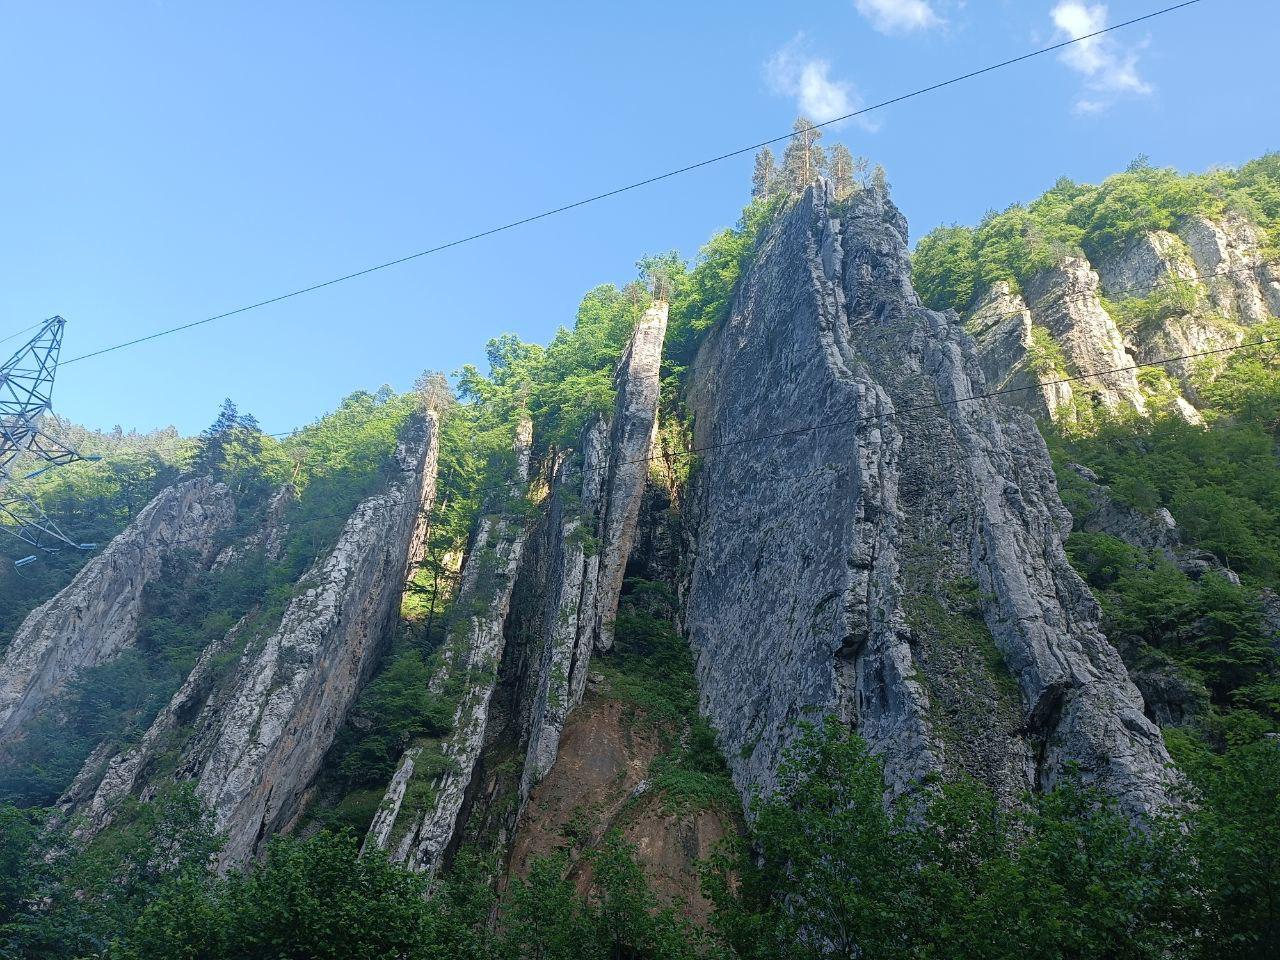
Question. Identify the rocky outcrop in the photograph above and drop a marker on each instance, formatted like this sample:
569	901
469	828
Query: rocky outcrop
1066	300
269	536
419	836
593	521
1146	263
1007	352
831	559
95	617
1227	255
572	599
631	435
253	741
535	600
1180	323
1169	298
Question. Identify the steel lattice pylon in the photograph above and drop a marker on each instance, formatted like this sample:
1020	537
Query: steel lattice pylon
26	395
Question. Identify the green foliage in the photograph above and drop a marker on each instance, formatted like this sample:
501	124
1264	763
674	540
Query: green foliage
953	266
703	296
1244	387
944	268
650	664
315	899
1235	840
562	385
1222	485
146	889
1171	299
395	709
1044	356
831	871
651	667
1212	628
77	898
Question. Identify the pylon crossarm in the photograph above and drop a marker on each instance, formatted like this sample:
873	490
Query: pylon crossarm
22	517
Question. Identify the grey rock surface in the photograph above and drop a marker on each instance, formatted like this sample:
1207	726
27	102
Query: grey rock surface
1002	329
594	512
259	744
1066	300
573	594
1227	255
631	433
253	739
828	560
471	658
95	617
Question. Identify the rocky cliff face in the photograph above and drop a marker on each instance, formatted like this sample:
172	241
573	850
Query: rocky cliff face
95	617
1161	296
537	603
419	834
595	508
252	741
903	565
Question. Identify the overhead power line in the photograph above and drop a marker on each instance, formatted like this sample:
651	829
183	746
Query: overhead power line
896	413
18	333
648	181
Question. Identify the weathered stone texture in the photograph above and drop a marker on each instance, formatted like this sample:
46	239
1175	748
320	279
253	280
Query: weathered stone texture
95	617
821	552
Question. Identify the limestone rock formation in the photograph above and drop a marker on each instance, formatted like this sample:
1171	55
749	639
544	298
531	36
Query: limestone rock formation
554	587
420	837
1007	345
631	435
1226	253
1067	302
95	617
253	742
1154	304
900	565
572	598
593	520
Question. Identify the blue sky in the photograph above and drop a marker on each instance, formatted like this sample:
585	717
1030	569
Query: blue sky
164	161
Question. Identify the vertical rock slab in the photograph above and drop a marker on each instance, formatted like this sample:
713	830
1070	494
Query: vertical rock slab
631	434
475	642
95	617
1066	300
594	511
794	607
1005	339
900	565
259	741
572	600
1227	256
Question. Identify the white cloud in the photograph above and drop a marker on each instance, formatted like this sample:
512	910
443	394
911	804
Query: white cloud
1109	68
793	73
899	16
